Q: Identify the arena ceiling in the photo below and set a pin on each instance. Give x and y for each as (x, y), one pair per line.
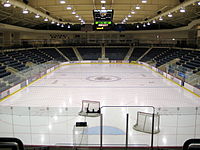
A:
(54, 11)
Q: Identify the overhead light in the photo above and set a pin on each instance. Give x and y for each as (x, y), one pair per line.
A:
(103, 1)
(182, 9)
(170, 15)
(77, 16)
(103, 7)
(7, 4)
(46, 19)
(62, 25)
(138, 26)
(25, 11)
(132, 12)
(144, 25)
(129, 15)
(148, 24)
(173, 39)
(198, 3)
(73, 12)
(154, 21)
(79, 19)
(62, 2)
(37, 16)
(69, 8)
(68, 27)
(58, 24)
(160, 18)
(144, 1)
(52, 22)
(137, 7)
(126, 18)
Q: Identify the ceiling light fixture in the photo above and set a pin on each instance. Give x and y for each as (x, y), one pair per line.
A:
(144, 25)
(103, 1)
(68, 27)
(52, 22)
(46, 19)
(182, 10)
(73, 12)
(170, 15)
(77, 16)
(79, 19)
(62, 2)
(198, 3)
(160, 18)
(62, 25)
(129, 15)
(7, 4)
(137, 7)
(154, 21)
(58, 24)
(103, 7)
(25, 11)
(37, 16)
(138, 26)
(144, 1)
(132, 12)
(148, 24)
(69, 8)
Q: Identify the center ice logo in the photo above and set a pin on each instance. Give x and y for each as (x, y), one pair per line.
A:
(103, 78)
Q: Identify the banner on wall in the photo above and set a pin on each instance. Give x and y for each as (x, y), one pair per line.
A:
(181, 74)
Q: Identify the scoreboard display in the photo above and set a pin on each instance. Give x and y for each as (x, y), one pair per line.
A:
(103, 19)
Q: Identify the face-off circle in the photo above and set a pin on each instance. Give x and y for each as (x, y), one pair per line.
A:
(103, 78)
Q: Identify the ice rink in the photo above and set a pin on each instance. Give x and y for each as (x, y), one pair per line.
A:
(111, 84)
(45, 112)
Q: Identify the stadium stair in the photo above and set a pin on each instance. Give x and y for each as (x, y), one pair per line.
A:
(128, 55)
(77, 53)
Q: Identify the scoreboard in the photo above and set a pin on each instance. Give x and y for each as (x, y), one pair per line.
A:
(103, 19)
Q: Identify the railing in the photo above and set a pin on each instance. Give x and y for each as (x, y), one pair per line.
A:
(25, 77)
(184, 74)
(49, 126)
(183, 43)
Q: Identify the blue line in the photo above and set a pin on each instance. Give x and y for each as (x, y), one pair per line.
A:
(103, 72)
(99, 87)
(121, 79)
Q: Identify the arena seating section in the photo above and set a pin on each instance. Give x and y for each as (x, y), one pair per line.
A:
(18, 60)
(137, 53)
(90, 53)
(116, 53)
(188, 59)
(69, 53)
(54, 54)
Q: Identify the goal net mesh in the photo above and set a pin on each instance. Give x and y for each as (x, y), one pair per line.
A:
(144, 122)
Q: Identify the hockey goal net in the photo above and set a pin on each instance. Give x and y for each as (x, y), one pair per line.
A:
(144, 122)
(90, 108)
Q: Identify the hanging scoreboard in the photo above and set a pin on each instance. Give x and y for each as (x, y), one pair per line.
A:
(103, 19)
